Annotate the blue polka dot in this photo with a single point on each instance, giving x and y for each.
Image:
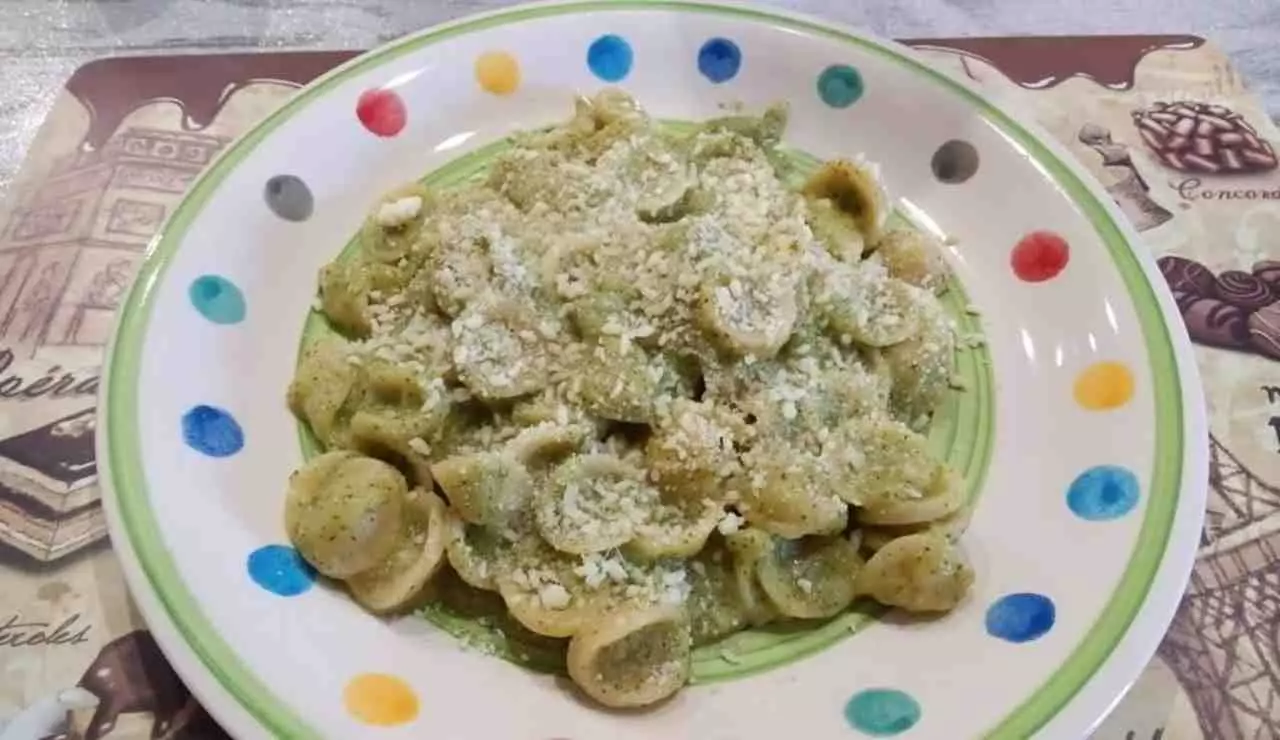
(217, 299)
(1103, 493)
(1021, 617)
(840, 86)
(212, 431)
(882, 712)
(280, 570)
(609, 58)
(719, 60)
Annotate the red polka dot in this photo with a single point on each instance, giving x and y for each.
(1039, 256)
(381, 111)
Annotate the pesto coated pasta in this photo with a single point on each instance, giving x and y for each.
(639, 389)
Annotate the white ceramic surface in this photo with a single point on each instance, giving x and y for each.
(185, 522)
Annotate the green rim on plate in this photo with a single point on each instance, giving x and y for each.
(128, 480)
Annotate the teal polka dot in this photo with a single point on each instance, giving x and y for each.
(840, 86)
(217, 299)
(882, 712)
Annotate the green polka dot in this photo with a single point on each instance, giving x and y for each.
(217, 299)
(840, 86)
(882, 712)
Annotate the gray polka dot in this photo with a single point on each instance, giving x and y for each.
(289, 198)
(955, 162)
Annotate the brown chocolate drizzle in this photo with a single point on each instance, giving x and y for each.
(113, 88)
(1039, 62)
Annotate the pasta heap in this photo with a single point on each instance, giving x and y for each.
(640, 388)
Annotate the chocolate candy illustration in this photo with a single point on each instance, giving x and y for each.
(1198, 137)
(1188, 276)
(1264, 331)
(1217, 323)
(1268, 271)
(1244, 289)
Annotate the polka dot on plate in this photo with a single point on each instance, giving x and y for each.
(719, 60)
(609, 58)
(954, 162)
(840, 86)
(217, 299)
(1021, 617)
(280, 570)
(1104, 386)
(382, 112)
(211, 431)
(497, 72)
(379, 699)
(882, 712)
(289, 197)
(1103, 493)
(1039, 256)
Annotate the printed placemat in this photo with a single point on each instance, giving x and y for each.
(1165, 122)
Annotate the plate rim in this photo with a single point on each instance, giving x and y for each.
(1097, 687)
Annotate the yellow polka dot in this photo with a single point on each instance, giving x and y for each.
(498, 72)
(1103, 386)
(379, 699)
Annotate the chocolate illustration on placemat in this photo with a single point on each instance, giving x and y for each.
(113, 88)
(1131, 191)
(1198, 137)
(1038, 62)
(131, 675)
(1234, 310)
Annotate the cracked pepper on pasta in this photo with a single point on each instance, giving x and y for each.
(639, 388)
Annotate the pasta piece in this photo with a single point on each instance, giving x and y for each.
(392, 228)
(323, 389)
(592, 503)
(485, 488)
(764, 130)
(714, 606)
(344, 295)
(810, 578)
(478, 555)
(854, 188)
(692, 454)
(674, 531)
(542, 592)
(622, 383)
(749, 316)
(837, 231)
(605, 312)
(895, 464)
(788, 493)
(458, 273)
(499, 351)
(547, 443)
(943, 497)
(919, 572)
(914, 257)
(401, 578)
(862, 305)
(632, 657)
(388, 434)
(393, 384)
(748, 547)
(343, 512)
(922, 365)
(952, 527)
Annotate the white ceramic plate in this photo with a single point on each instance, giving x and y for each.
(1081, 427)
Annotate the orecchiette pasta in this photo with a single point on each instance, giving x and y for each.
(638, 387)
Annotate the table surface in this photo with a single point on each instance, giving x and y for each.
(43, 41)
